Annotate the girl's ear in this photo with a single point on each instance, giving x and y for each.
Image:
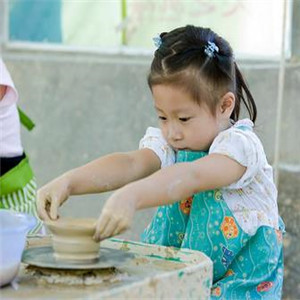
(227, 104)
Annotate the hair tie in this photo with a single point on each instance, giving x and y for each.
(157, 41)
(210, 49)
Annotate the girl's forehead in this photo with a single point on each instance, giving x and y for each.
(174, 109)
(165, 93)
(176, 105)
(167, 89)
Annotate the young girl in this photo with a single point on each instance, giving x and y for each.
(17, 182)
(205, 169)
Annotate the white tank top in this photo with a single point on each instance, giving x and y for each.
(10, 137)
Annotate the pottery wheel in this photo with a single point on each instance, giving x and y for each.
(44, 257)
(47, 276)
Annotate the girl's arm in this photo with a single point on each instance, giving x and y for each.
(185, 179)
(164, 187)
(104, 174)
(112, 171)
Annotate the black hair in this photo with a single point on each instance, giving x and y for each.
(182, 59)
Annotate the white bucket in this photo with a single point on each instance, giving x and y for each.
(13, 230)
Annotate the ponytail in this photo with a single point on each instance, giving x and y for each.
(242, 90)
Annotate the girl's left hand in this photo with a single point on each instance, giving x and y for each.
(117, 214)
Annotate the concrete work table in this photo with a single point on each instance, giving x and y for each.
(151, 271)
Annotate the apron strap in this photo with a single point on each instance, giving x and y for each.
(25, 120)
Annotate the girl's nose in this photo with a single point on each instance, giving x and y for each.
(174, 133)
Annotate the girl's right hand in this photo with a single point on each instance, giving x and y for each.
(51, 196)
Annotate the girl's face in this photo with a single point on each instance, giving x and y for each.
(184, 123)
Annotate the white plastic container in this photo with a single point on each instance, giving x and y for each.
(13, 230)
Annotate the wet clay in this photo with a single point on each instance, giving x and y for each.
(72, 239)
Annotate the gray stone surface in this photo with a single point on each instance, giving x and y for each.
(86, 106)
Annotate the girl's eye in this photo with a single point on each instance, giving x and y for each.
(184, 119)
(162, 118)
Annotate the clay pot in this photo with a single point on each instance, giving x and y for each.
(72, 239)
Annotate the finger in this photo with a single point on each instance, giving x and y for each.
(42, 206)
(109, 229)
(47, 208)
(100, 226)
(124, 225)
(54, 208)
(119, 230)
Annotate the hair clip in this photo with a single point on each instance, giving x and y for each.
(157, 41)
(210, 49)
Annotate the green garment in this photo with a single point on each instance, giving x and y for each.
(18, 186)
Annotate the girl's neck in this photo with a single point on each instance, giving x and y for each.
(225, 125)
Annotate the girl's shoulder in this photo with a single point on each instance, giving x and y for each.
(154, 140)
(241, 144)
(244, 125)
(240, 134)
(153, 131)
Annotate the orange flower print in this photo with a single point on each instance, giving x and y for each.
(217, 291)
(229, 228)
(264, 286)
(185, 205)
(229, 273)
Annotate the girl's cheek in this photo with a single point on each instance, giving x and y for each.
(164, 132)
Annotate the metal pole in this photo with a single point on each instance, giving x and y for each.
(280, 95)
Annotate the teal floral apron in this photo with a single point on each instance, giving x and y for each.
(244, 266)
